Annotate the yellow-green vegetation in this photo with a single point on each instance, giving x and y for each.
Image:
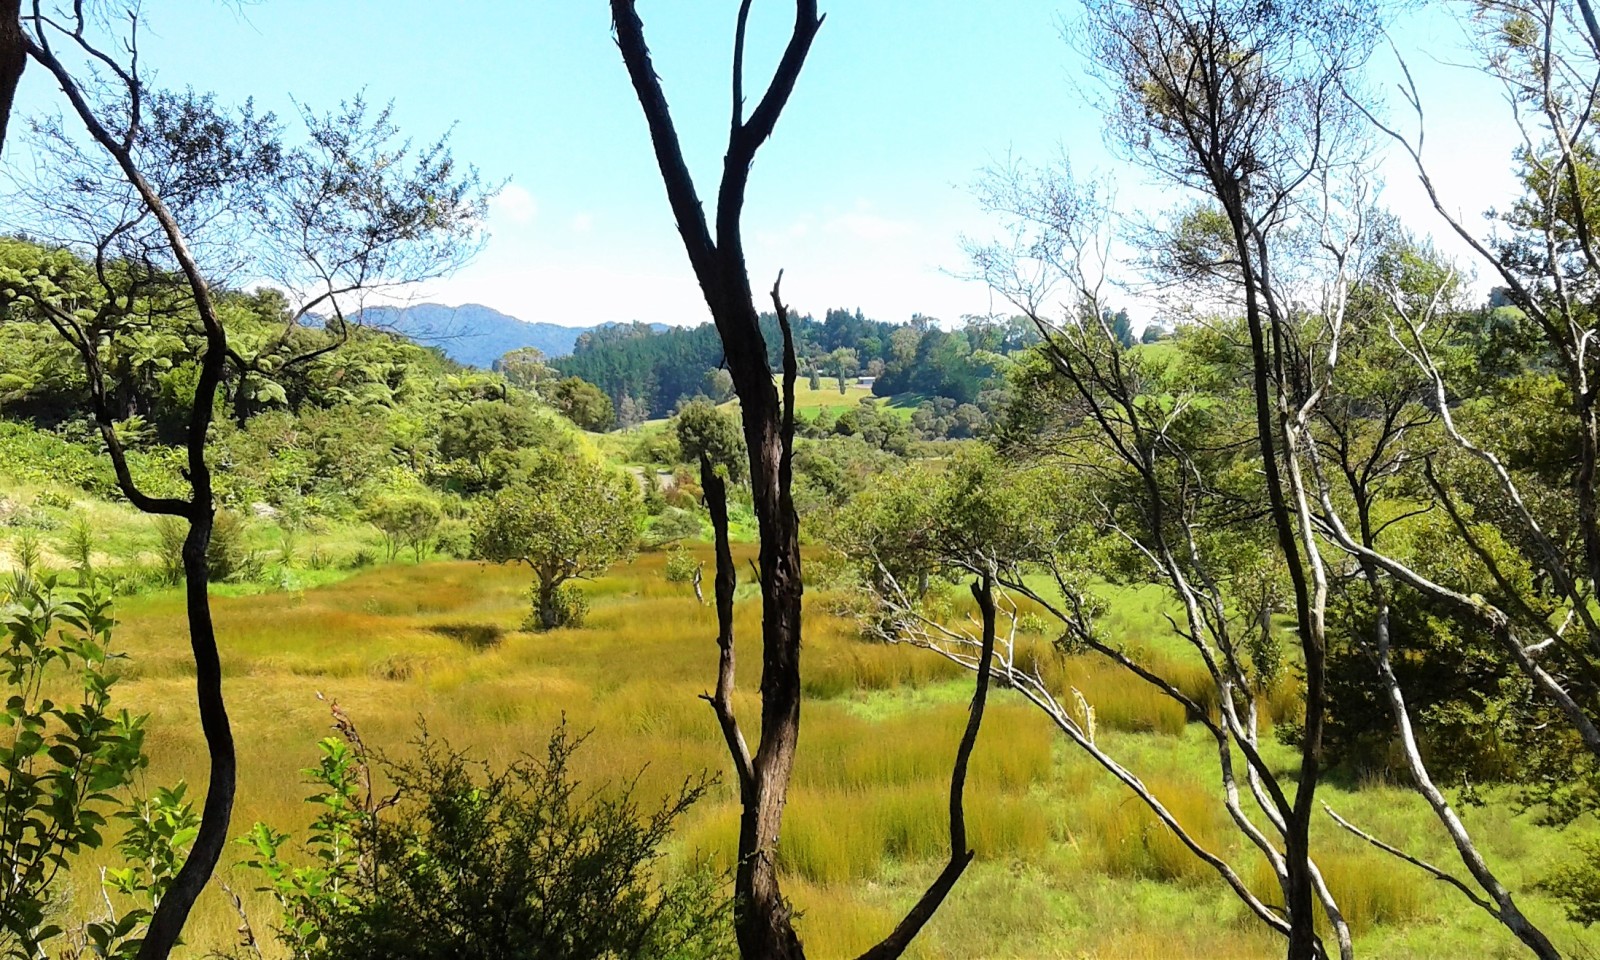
(1069, 864)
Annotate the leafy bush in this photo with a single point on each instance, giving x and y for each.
(476, 863)
(52, 498)
(674, 525)
(681, 566)
(62, 759)
(565, 606)
(454, 539)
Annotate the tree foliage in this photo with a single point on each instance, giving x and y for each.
(573, 520)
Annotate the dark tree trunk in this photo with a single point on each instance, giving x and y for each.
(217, 811)
(762, 919)
(549, 615)
(1299, 895)
(13, 57)
(763, 922)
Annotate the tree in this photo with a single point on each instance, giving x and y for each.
(525, 367)
(583, 403)
(167, 192)
(490, 438)
(573, 520)
(815, 378)
(844, 364)
(707, 434)
(762, 917)
(405, 520)
(1244, 103)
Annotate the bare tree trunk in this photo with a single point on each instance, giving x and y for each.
(763, 921)
(1299, 894)
(13, 57)
(217, 812)
(762, 917)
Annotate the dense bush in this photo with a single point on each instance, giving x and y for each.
(477, 863)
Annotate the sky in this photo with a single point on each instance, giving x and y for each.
(863, 195)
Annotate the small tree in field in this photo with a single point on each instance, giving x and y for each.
(406, 520)
(574, 520)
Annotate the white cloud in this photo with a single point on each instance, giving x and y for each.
(583, 222)
(514, 204)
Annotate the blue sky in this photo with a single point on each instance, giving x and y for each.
(862, 196)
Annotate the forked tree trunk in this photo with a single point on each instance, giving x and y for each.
(763, 921)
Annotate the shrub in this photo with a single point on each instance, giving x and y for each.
(454, 539)
(170, 534)
(53, 498)
(681, 566)
(673, 525)
(565, 606)
(227, 556)
(475, 863)
(79, 545)
(60, 759)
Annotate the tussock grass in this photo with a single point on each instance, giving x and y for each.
(1123, 838)
(1068, 864)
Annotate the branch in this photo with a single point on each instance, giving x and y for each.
(716, 500)
(1466, 891)
(629, 30)
(897, 941)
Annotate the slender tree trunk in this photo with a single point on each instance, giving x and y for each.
(13, 57)
(1299, 895)
(217, 811)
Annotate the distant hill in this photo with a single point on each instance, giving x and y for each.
(473, 334)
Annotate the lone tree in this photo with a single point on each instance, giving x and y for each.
(574, 519)
(167, 198)
(763, 920)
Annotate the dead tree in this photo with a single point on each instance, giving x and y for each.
(762, 918)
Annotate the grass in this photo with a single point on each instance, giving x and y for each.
(1067, 864)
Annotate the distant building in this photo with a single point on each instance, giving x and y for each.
(866, 382)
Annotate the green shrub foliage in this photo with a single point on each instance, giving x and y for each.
(470, 862)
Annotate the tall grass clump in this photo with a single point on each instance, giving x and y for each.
(1123, 838)
(1371, 891)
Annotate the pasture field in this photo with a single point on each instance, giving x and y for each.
(1068, 864)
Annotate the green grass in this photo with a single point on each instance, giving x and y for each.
(1068, 865)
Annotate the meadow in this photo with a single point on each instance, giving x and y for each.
(1068, 864)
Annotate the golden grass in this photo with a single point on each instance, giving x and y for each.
(1068, 863)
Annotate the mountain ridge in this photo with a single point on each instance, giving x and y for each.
(474, 334)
